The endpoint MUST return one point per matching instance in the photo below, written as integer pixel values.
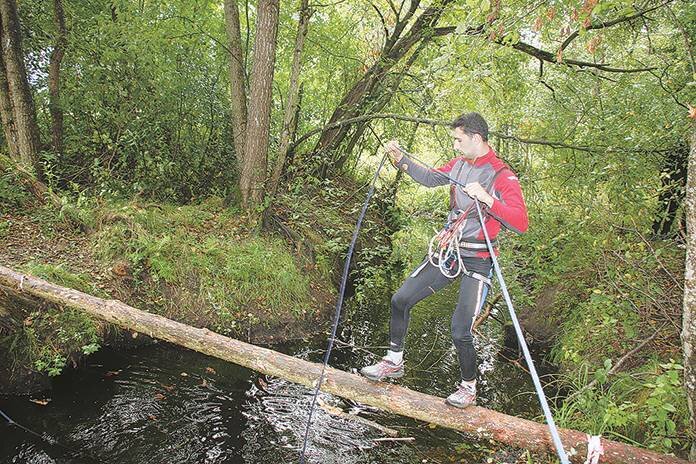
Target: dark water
(164, 404)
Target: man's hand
(474, 190)
(394, 151)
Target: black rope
(339, 304)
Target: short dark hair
(472, 123)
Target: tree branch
(439, 122)
(381, 18)
(551, 58)
(613, 22)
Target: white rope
(444, 246)
(594, 449)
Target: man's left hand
(475, 190)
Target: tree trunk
(237, 79)
(293, 94)
(54, 104)
(27, 129)
(688, 334)
(253, 172)
(7, 113)
(482, 423)
(374, 103)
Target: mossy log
(479, 422)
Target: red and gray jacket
(496, 177)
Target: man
(459, 251)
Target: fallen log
(479, 422)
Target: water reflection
(277, 418)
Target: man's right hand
(394, 151)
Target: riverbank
(203, 264)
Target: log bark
(479, 422)
(688, 334)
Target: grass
(645, 407)
(205, 255)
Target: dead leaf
(210, 370)
(121, 269)
(592, 44)
(538, 24)
(184, 374)
(169, 388)
(42, 402)
(112, 373)
(159, 396)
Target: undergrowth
(204, 254)
(613, 287)
(51, 337)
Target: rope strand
(339, 305)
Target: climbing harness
(444, 250)
(513, 316)
(339, 304)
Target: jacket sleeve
(426, 176)
(509, 207)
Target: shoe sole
(396, 375)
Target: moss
(12, 193)
(4, 227)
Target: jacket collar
(481, 160)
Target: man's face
(465, 144)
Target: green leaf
(669, 407)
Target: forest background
(214, 154)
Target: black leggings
(426, 280)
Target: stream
(166, 404)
